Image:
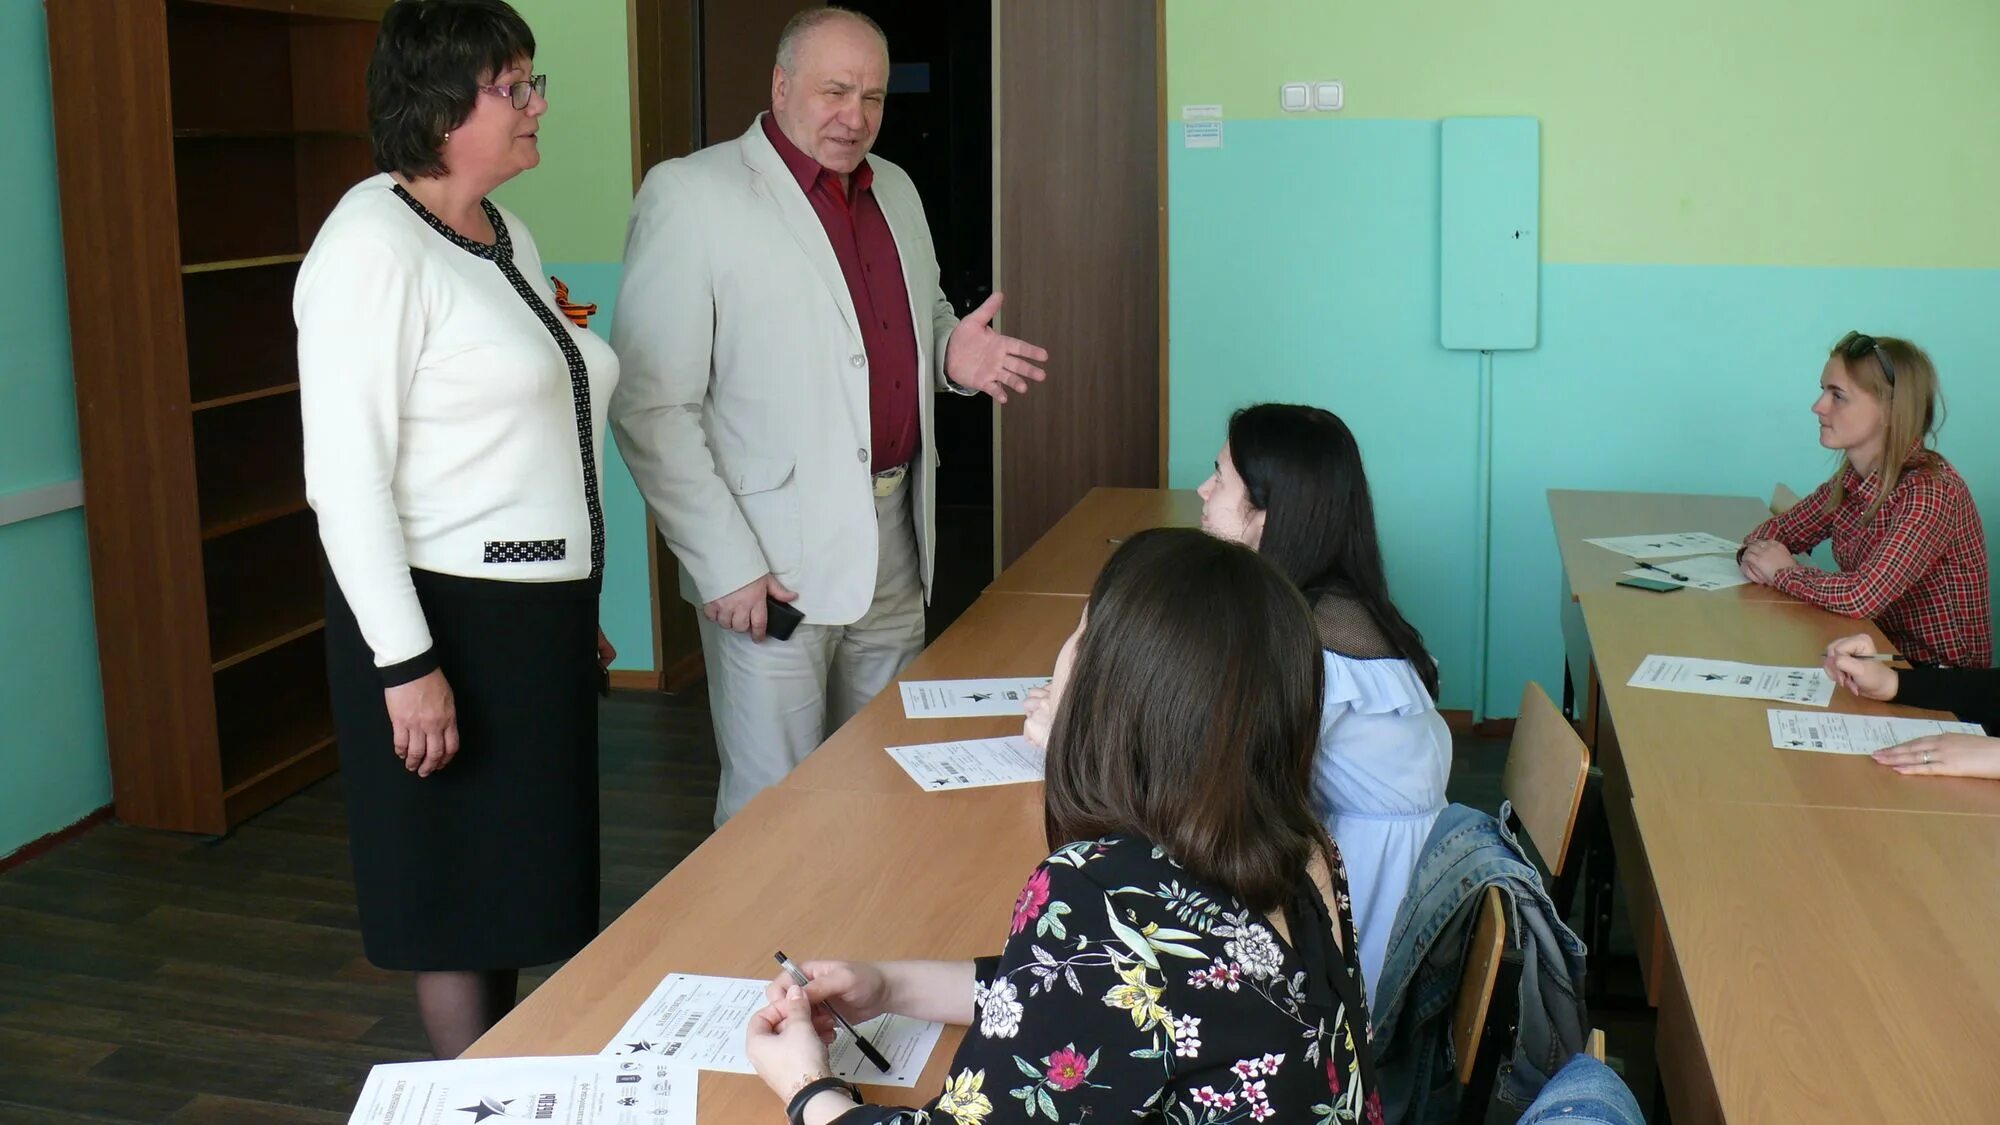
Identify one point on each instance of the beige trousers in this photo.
(773, 703)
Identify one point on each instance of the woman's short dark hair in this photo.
(1191, 716)
(430, 58)
(1302, 469)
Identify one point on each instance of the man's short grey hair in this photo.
(812, 19)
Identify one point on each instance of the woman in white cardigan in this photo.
(1289, 482)
(452, 417)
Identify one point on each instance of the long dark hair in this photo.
(1191, 716)
(1302, 468)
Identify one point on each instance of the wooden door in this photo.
(1078, 193)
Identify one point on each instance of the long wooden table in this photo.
(847, 858)
(1748, 869)
(1066, 560)
(1837, 963)
(999, 635)
(867, 876)
(1590, 569)
(1701, 747)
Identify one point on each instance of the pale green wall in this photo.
(577, 203)
(578, 200)
(1771, 132)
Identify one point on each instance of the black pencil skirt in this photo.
(491, 862)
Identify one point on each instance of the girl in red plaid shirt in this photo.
(1911, 551)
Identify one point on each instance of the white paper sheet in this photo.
(1835, 733)
(1669, 546)
(956, 699)
(938, 766)
(1809, 686)
(1702, 572)
(582, 1090)
(703, 1021)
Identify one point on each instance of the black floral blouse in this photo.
(1128, 991)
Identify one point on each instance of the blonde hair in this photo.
(1907, 388)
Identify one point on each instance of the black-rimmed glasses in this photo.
(521, 93)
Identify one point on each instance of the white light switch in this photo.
(1326, 95)
(1295, 97)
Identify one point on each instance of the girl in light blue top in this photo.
(1289, 483)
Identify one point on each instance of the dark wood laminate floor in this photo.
(149, 977)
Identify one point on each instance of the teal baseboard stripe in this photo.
(34, 503)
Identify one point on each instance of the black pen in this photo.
(1665, 571)
(867, 1048)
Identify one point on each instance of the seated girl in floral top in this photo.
(1175, 959)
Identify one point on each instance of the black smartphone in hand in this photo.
(780, 619)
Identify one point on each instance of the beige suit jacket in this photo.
(742, 410)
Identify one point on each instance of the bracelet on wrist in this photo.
(796, 1108)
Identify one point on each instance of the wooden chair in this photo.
(1558, 800)
(1547, 773)
(1483, 1016)
(1783, 500)
(1594, 1046)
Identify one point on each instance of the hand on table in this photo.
(1945, 755)
(858, 988)
(1764, 559)
(783, 1046)
(1846, 660)
(1041, 710)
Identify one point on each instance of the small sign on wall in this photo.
(1202, 134)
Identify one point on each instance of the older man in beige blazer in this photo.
(781, 330)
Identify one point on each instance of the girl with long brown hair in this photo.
(1186, 952)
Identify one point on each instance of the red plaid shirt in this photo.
(1918, 568)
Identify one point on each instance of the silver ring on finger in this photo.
(1927, 757)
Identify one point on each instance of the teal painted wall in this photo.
(52, 751)
(1294, 279)
(1722, 197)
(1304, 268)
(1700, 379)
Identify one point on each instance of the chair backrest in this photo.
(1783, 500)
(1547, 768)
(1476, 984)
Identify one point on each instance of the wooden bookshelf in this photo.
(185, 218)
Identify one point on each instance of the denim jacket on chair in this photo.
(1466, 852)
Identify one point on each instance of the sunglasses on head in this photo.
(1855, 345)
